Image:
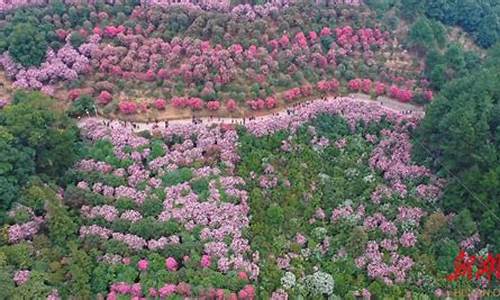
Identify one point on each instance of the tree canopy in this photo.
(36, 139)
(460, 138)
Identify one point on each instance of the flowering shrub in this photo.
(65, 64)
(256, 104)
(328, 85)
(428, 95)
(355, 85)
(379, 88)
(142, 265)
(160, 104)
(271, 102)
(104, 98)
(231, 105)
(171, 264)
(213, 105)
(21, 277)
(319, 283)
(128, 107)
(19, 232)
(292, 94)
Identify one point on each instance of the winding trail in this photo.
(387, 103)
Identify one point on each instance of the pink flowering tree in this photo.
(128, 107)
(160, 104)
(231, 105)
(355, 85)
(104, 98)
(213, 105)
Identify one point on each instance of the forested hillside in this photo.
(249, 149)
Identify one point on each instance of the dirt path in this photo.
(387, 103)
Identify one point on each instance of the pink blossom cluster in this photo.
(131, 215)
(95, 230)
(268, 181)
(90, 165)
(134, 242)
(162, 242)
(193, 103)
(352, 111)
(218, 5)
(341, 213)
(392, 157)
(205, 261)
(470, 242)
(142, 265)
(283, 262)
(432, 191)
(279, 294)
(259, 104)
(402, 95)
(366, 37)
(378, 220)
(213, 105)
(408, 239)
(6, 5)
(367, 86)
(381, 192)
(160, 104)
(19, 232)
(66, 64)
(104, 98)
(328, 85)
(171, 264)
(251, 12)
(107, 212)
(182, 289)
(21, 276)
(410, 214)
(300, 239)
(292, 94)
(54, 295)
(389, 272)
(128, 107)
(122, 288)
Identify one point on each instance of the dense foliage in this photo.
(334, 197)
(37, 139)
(480, 18)
(460, 138)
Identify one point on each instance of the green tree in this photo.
(16, 165)
(421, 35)
(460, 138)
(37, 124)
(80, 270)
(27, 44)
(81, 106)
(61, 225)
(410, 9)
(454, 57)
